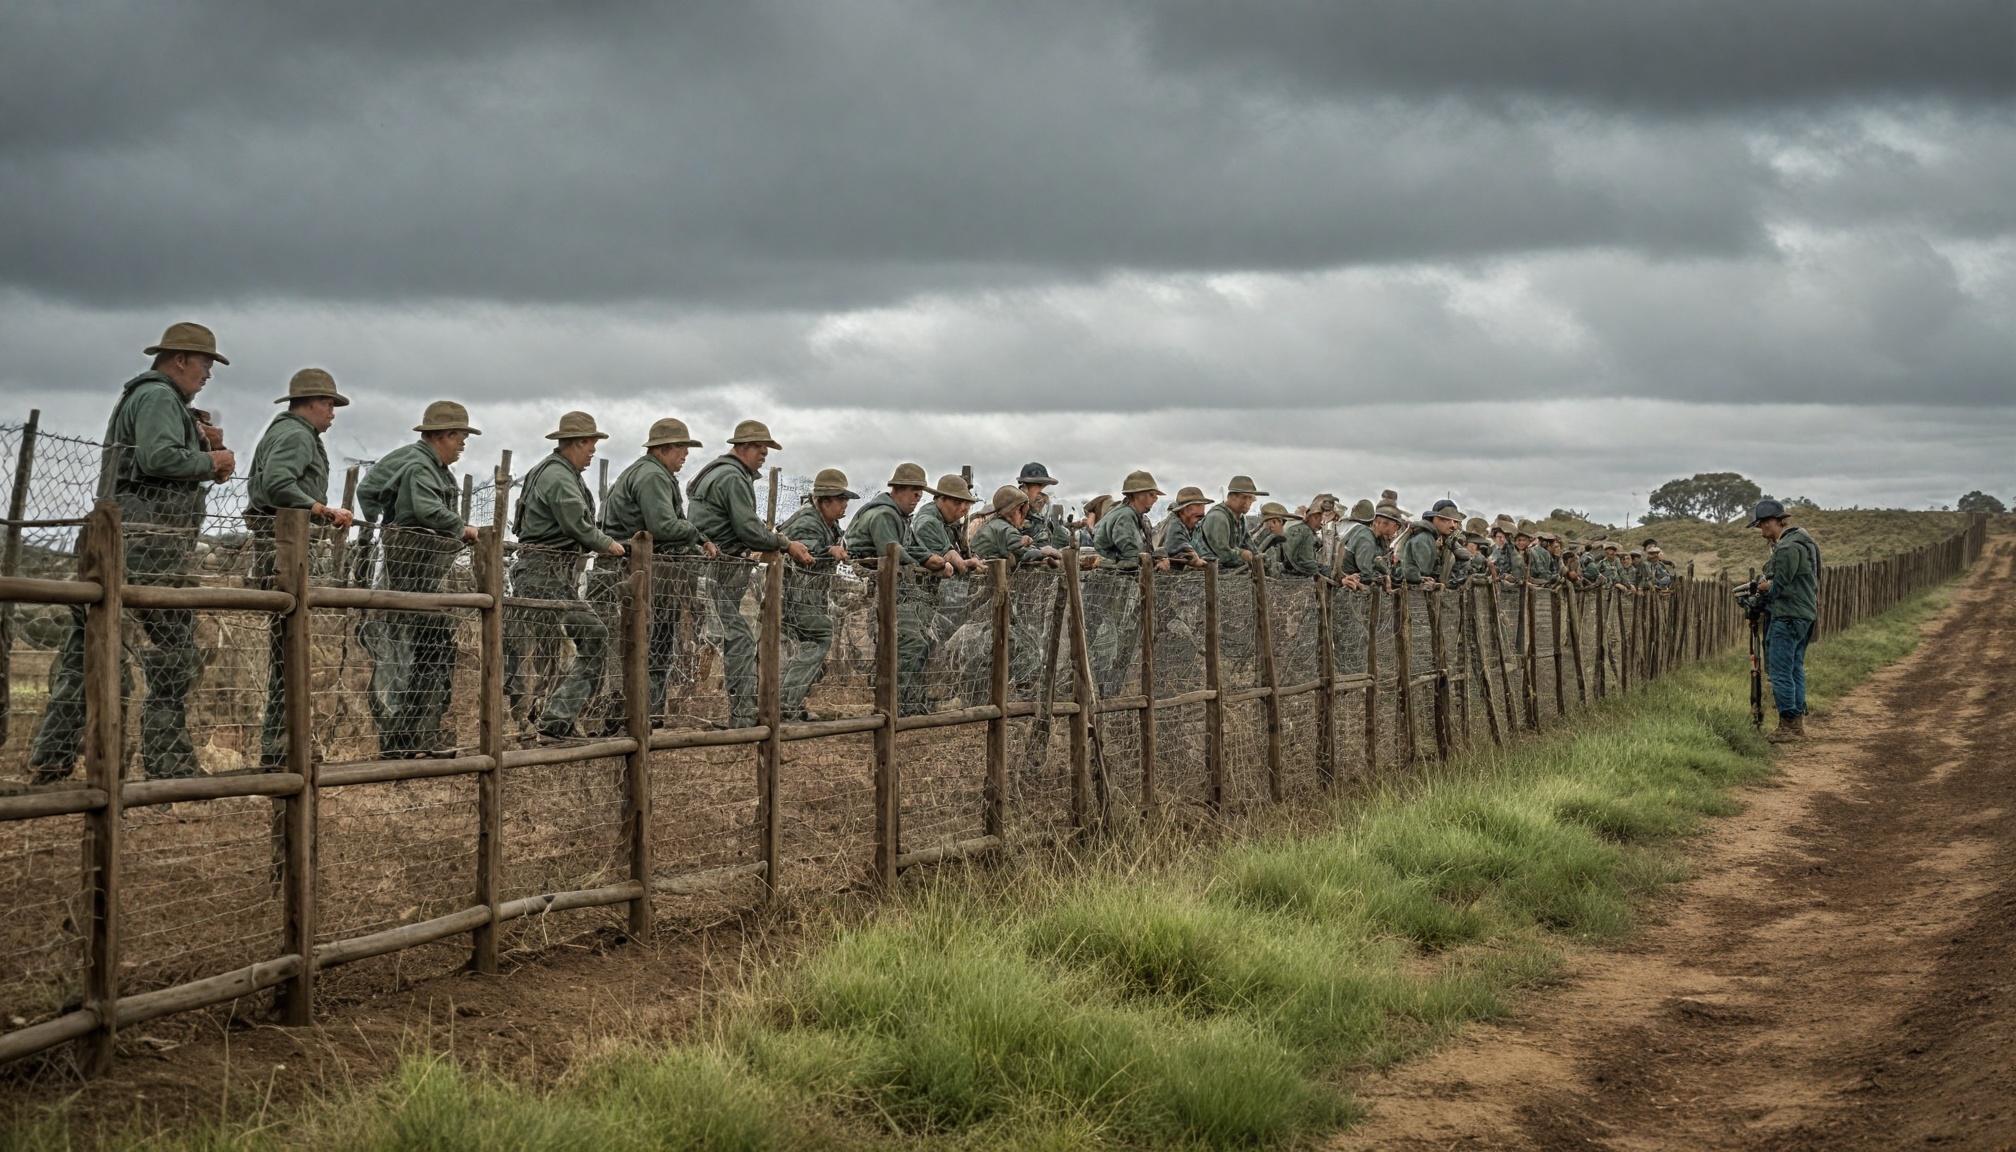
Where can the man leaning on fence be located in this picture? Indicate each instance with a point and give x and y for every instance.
(156, 463)
(1791, 589)
(555, 526)
(724, 510)
(411, 492)
(646, 498)
(883, 521)
(290, 469)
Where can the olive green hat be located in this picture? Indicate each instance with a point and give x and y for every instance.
(187, 337)
(1549, 538)
(1390, 511)
(1009, 496)
(1505, 524)
(577, 426)
(1189, 496)
(1609, 545)
(1097, 505)
(909, 476)
(754, 432)
(313, 384)
(1447, 512)
(1362, 512)
(832, 482)
(670, 431)
(446, 416)
(1525, 529)
(1243, 486)
(1475, 526)
(1139, 482)
(952, 486)
(1273, 511)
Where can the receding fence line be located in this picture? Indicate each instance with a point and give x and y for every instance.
(1649, 635)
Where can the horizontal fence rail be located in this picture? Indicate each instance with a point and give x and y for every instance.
(734, 728)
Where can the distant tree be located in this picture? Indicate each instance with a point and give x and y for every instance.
(1703, 496)
(1979, 501)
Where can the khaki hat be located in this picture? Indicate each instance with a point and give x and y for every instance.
(1097, 505)
(1549, 538)
(909, 476)
(1475, 526)
(1526, 528)
(1243, 486)
(187, 337)
(754, 432)
(1137, 483)
(1009, 496)
(832, 482)
(670, 431)
(1637, 554)
(1654, 550)
(1187, 497)
(1362, 512)
(1273, 511)
(952, 486)
(1390, 511)
(1447, 512)
(313, 384)
(1609, 545)
(577, 426)
(1505, 524)
(1322, 502)
(446, 416)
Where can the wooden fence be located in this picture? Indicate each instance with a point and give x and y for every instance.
(1319, 683)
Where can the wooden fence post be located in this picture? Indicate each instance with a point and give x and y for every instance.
(1214, 707)
(103, 560)
(1148, 723)
(771, 518)
(770, 712)
(994, 819)
(888, 807)
(1489, 596)
(1573, 598)
(1502, 663)
(1326, 675)
(1529, 660)
(1083, 694)
(1403, 681)
(468, 495)
(488, 564)
(1554, 602)
(1372, 598)
(10, 560)
(638, 609)
(1264, 627)
(339, 548)
(1444, 737)
(297, 661)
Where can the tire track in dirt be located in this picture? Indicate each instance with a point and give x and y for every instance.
(1840, 973)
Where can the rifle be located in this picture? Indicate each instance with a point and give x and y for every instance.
(1753, 604)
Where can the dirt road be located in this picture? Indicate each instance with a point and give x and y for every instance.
(1840, 973)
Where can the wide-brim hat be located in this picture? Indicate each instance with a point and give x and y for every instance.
(1187, 497)
(953, 486)
(187, 337)
(313, 384)
(1505, 524)
(1139, 482)
(1475, 526)
(1391, 512)
(1363, 512)
(1097, 505)
(577, 426)
(1034, 473)
(1549, 538)
(1273, 511)
(909, 476)
(1609, 546)
(1655, 550)
(1527, 529)
(754, 432)
(832, 482)
(1322, 502)
(1009, 496)
(670, 431)
(1243, 486)
(1446, 512)
(446, 416)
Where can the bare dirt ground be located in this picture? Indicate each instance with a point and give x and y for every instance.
(1840, 973)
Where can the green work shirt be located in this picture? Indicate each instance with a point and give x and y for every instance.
(1173, 539)
(379, 489)
(556, 510)
(156, 454)
(933, 535)
(879, 523)
(646, 498)
(724, 508)
(1047, 527)
(290, 468)
(1299, 554)
(1223, 534)
(1511, 561)
(999, 539)
(1541, 566)
(428, 496)
(1360, 554)
(1421, 554)
(1121, 536)
(1629, 574)
(809, 528)
(1794, 569)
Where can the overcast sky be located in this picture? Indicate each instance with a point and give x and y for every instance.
(1535, 254)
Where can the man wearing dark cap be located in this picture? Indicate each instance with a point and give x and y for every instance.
(724, 510)
(1044, 527)
(290, 469)
(646, 498)
(1791, 589)
(156, 463)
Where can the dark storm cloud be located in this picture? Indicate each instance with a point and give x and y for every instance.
(1646, 55)
(766, 154)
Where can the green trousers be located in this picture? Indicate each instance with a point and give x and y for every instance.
(674, 586)
(413, 654)
(726, 586)
(808, 636)
(553, 578)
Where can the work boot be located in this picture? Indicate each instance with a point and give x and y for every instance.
(1791, 729)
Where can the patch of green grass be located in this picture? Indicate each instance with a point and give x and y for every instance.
(1157, 994)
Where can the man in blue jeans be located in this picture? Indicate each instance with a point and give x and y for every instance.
(1791, 589)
